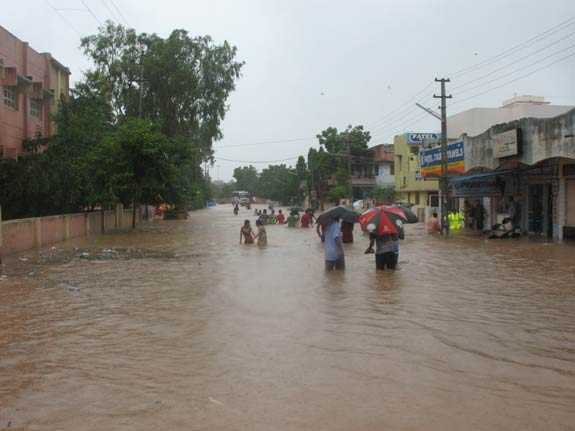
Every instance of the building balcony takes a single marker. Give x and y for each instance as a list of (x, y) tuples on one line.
[(357, 181)]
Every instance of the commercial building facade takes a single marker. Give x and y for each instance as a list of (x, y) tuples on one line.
[(31, 87), (415, 186), (409, 184), (525, 170), (475, 121)]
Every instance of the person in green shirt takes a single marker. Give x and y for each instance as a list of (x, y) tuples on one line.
[(293, 219)]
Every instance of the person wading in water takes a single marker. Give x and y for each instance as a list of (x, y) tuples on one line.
[(247, 233)]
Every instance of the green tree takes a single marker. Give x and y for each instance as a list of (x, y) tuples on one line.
[(246, 178), (320, 170), (384, 194), (222, 190), (58, 180), (337, 193), (181, 83), (135, 161), (346, 149), (280, 183)]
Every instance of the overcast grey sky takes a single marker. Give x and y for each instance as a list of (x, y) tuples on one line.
[(311, 64)]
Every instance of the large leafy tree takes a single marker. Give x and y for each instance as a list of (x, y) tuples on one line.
[(345, 152), (222, 189), (246, 178), (58, 180), (182, 83), (320, 170), (136, 162), (280, 183)]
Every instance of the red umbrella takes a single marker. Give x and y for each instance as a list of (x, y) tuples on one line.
[(383, 220)]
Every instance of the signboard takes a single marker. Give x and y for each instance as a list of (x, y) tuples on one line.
[(423, 138), (475, 186), (507, 144), (430, 160)]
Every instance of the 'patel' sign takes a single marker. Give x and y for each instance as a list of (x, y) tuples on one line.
[(423, 138)]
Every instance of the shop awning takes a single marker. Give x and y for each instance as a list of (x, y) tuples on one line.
[(477, 185)]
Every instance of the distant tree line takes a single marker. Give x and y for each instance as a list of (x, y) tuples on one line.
[(136, 130), (325, 176)]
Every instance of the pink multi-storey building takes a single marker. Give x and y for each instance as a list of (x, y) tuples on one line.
[(31, 86)]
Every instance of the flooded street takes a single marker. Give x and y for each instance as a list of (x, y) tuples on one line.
[(195, 332)]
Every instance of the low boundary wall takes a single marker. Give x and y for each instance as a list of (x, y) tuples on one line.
[(25, 234)]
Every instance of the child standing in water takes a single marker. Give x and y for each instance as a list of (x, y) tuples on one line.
[(247, 233), (262, 235)]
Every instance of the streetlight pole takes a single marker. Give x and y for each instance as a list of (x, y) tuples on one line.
[(444, 184)]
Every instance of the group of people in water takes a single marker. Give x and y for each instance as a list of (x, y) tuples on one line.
[(333, 235)]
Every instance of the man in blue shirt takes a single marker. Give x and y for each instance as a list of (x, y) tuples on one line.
[(334, 257)]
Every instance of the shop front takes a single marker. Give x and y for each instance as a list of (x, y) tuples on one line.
[(523, 171), (524, 197), (568, 183)]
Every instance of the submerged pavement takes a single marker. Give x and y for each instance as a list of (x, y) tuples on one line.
[(178, 327)]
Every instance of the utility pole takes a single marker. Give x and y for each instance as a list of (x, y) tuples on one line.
[(444, 184), (140, 114), (350, 186)]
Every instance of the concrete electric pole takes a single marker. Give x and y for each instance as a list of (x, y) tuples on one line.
[(349, 173), (444, 184)]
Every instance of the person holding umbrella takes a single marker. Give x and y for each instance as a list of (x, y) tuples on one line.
[(386, 250), (385, 227), (333, 247), (347, 217)]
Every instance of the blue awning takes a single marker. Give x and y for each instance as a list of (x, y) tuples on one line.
[(477, 185), (480, 176)]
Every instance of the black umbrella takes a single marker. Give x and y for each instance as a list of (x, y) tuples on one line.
[(342, 213), (410, 216)]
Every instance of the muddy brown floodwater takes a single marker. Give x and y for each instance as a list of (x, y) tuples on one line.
[(178, 327)]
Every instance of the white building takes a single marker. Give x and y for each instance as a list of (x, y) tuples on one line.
[(475, 121), (383, 157)]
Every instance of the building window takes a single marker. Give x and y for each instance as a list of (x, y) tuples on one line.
[(416, 198), (36, 108), (10, 97), (392, 168)]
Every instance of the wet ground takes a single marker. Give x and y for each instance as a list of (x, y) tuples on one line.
[(178, 327)]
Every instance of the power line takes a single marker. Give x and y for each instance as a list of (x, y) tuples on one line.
[(516, 79), (257, 161), (517, 47), (284, 141), (399, 115), (109, 10), (91, 12), (119, 12), (69, 23), (416, 119), (517, 61), (397, 110), (519, 69)]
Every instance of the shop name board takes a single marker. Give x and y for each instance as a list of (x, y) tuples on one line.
[(475, 187), (431, 158), (507, 144), (423, 138)]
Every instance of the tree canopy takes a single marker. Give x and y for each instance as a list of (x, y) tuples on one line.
[(136, 130), (247, 178)]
